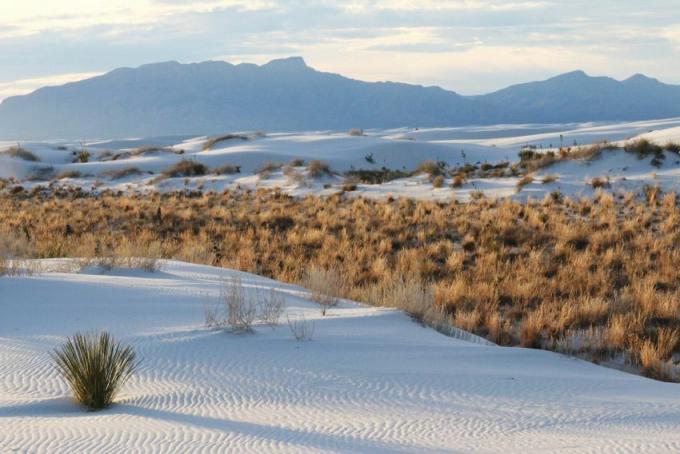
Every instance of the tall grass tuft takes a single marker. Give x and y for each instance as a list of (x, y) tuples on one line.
[(95, 367)]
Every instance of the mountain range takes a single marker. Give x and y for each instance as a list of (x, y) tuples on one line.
[(216, 97)]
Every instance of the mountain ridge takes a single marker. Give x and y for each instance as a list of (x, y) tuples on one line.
[(286, 94)]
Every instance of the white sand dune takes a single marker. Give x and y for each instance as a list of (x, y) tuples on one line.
[(397, 149), (370, 381)]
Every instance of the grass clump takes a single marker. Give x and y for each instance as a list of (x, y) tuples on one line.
[(431, 168), (317, 169), (21, 153), (643, 148), (67, 174), (95, 367), (375, 176), (227, 169), (82, 157), (185, 168), (212, 141)]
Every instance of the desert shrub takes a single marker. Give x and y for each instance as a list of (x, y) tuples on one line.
[(66, 174), (557, 196), (643, 148), (525, 180), (599, 182), (458, 180), (82, 157), (271, 306), (227, 169), (356, 132), (95, 367), (212, 141), (268, 167), (438, 181), (672, 147), (431, 168), (185, 168), (652, 193), (316, 169), (528, 154), (296, 162), (21, 153), (301, 328), (325, 286), (375, 176), (241, 308), (122, 173), (152, 149), (549, 179)]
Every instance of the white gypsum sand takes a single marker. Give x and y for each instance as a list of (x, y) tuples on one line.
[(371, 380), (401, 150)]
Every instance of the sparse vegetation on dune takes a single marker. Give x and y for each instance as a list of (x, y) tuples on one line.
[(597, 277), (122, 173), (317, 169), (212, 141), (185, 168), (21, 153), (227, 169)]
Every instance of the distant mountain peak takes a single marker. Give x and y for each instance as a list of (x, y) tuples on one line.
[(287, 63), (640, 78), (577, 74)]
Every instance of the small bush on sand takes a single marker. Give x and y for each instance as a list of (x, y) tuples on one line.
[(302, 329), (549, 179), (21, 153), (430, 168), (95, 367), (227, 169), (643, 148), (185, 168), (271, 307), (266, 168), (317, 168), (208, 144), (356, 132), (82, 157), (438, 181), (325, 286), (241, 309), (672, 147), (297, 162), (66, 174), (375, 176), (599, 182), (525, 180)]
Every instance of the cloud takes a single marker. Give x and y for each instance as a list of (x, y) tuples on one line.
[(24, 86), (470, 46), (34, 16)]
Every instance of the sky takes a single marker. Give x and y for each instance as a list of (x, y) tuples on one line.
[(469, 46)]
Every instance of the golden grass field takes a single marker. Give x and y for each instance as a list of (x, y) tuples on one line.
[(598, 278)]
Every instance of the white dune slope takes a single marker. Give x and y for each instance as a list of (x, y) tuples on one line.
[(370, 381)]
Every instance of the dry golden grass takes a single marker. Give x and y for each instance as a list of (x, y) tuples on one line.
[(595, 277)]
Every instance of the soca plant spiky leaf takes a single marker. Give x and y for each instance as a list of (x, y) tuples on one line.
[(95, 367)]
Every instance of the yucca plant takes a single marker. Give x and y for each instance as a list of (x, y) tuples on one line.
[(95, 366)]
